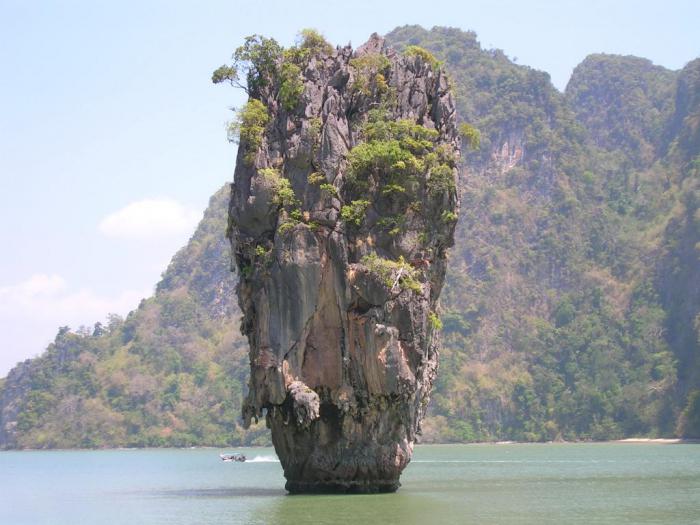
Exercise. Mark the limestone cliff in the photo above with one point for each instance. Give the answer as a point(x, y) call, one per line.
point(342, 208)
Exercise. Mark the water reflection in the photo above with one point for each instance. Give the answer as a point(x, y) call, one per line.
point(227, 492)
point(402, 507)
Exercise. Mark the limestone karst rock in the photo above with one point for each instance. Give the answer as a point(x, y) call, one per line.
point(342, 208)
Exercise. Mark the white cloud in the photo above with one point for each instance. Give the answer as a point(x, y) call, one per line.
point(32, 310)
point(44, 296)
point(37, 285)
point(150, 219)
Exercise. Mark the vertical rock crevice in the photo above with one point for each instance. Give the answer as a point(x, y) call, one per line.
point(342, 209)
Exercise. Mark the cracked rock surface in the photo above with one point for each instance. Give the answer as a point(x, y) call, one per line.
point(340, 309)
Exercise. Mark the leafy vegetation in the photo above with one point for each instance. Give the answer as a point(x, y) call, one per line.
point(291, 85)
point(248, 127)
point(394, 154)
point(639, 100)
point(310, 43)
point(267, 68)
point(329, 189)
point(256, 59)
point(370, 72)
point(316, 178)
point(435, 321)
point(470, 135)
point(424, 54)
point(393, 273)
point(314, 42)
point(354, 213)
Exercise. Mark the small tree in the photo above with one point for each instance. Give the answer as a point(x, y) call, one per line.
point(315, 42)
point(248, 127)
point(256, 59)
point(470, 135)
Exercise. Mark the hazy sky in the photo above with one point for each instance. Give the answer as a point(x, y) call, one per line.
point(112, 136)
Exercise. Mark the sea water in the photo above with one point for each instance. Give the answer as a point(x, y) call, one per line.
point(607, 483)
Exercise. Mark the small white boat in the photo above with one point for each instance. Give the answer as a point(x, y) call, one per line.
point(232, 457)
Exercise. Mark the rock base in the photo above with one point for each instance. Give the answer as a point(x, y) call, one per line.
point(342, 487)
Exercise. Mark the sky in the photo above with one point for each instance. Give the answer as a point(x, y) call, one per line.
point(112, 136)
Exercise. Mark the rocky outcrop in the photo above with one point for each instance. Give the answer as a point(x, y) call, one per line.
point(341, 213)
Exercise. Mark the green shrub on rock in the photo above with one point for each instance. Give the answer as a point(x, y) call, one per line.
point(393, 273)
point(354, 213)
point(427, 56)
point(291, 86)
point(248, 126)
point(315, 42)
point(470, 135)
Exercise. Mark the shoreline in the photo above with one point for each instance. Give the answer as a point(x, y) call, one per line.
point(661, 441)
point(624, 441)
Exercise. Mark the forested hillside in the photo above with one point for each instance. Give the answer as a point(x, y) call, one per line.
point(170, 374)
point(624, 104)
point(559, 314)
point(570, 311)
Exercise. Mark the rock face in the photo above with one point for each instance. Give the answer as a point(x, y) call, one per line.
point(341, 213)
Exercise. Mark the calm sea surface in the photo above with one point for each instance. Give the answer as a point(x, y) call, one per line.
point(471, 484)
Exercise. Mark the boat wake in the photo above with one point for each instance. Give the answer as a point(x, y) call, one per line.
point(263, 459)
